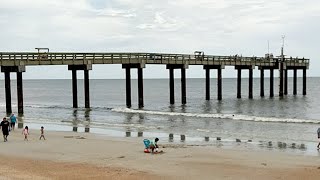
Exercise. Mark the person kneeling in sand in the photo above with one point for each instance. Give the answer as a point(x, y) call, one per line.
point(154, 146)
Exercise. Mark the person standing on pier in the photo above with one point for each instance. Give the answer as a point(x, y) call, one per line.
point(13, 121)
point(5, 129)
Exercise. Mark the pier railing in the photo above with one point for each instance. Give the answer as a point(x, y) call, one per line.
point(27, 58)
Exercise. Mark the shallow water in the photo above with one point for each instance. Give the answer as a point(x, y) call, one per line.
point(293, 119)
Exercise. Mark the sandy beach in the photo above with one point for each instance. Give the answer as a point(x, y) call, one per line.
point(71, 155)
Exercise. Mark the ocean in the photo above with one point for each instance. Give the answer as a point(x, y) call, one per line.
point(267, 122)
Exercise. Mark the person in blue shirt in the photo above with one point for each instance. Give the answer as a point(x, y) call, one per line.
point(13, 121)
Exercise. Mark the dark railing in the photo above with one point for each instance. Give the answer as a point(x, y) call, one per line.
point(150, 58)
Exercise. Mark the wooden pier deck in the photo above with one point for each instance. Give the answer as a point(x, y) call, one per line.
point(56, 58)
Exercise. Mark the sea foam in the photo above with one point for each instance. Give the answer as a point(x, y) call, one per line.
point(219, 116)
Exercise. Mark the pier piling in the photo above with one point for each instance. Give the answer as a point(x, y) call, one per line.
point(304, 83)
point(171, 84)
point(85, 69)
point(128, 87)
point(286, 82)
point(271, 83)
point(20, 93)
point(207, 83)
point(219, 68)
point(183, 137)
point(239, 84)
point(183, 68)
point(140, 88)
point(183, 86)
point(219, 79)
point(8, 92)
point(262, 82)
point(74, 88)
point(86, 89)
point(281, 80)
point(295, 81)
point(250, 83)
point(139, 68)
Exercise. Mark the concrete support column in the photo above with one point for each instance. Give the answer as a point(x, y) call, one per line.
point(304, 81)
point(207, 84)
point(139, 68)
point(140, 87)
point(128, 87)
point(20, 93)
point(183, 86)
point(271, 83)
point(86, 88)
point(262, 82)
point(85, 69)
point(250, 83)
point(285, 82)
point(74, 88)
point(171, 84)
point(294, 81)
point(239, 84)
point(281, 80)
point(219, 84)
point(8, 92)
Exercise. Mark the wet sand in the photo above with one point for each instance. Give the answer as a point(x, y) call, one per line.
point(71, 155)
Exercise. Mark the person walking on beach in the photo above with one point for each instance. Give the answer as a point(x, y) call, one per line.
point(5, 129)
point(25, 132)
point(42, 133)
point(318, 138)
point(13, 121)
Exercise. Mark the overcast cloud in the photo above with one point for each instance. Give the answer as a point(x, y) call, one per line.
point(218, 27)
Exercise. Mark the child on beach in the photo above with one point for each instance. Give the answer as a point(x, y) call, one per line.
point(42, 133)
point(25, 132)
point(153, 146)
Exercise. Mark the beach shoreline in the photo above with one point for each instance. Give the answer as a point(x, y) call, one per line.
point(105, 155)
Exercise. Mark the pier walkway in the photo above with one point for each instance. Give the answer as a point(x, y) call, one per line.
point(17, 61)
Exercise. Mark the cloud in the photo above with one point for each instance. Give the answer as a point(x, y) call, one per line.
point(162, 23)
point(220, 27)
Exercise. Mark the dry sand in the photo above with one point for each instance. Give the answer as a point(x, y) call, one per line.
point(70, 155)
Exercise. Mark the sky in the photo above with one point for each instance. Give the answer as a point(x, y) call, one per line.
point(217, 27)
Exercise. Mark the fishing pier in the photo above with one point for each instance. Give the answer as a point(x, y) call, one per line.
point(16, 62)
